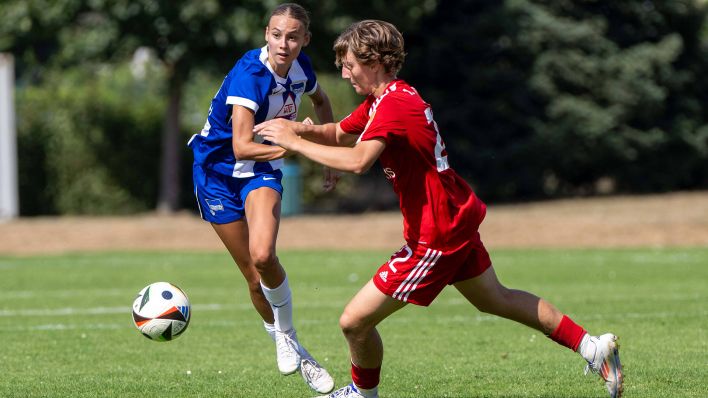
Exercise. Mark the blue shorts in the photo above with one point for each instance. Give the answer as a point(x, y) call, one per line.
point(221, 198)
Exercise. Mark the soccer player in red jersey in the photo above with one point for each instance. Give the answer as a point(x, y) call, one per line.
point(440, 211)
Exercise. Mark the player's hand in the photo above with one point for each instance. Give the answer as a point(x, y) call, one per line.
point(279, 123)
point(331, 178)
point(308, 122)
point(278, 131)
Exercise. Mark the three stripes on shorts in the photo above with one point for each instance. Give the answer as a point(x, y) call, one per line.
point(417, 274)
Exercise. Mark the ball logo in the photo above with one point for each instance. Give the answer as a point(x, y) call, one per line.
point(145, 299)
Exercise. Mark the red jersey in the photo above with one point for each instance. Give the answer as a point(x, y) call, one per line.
point(439, 208)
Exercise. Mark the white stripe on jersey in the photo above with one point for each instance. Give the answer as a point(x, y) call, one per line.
point(378, 100)
point(373, 107)
point(244, 168)
point(314, 88)
point(245, 102)
point(417, 274)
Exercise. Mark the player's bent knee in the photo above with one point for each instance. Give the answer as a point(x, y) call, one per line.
point(350, 325)
point(264, 260)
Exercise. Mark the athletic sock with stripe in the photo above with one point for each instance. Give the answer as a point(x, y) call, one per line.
point(280, 299)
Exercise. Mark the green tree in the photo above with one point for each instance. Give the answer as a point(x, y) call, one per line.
point(536, 98)
point(548, 98)
point(84, 148)
point(473, 72)
point(183, 37)
point(629, 100)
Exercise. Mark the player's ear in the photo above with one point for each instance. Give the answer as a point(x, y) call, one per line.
point(308, 35)
point(265, 36)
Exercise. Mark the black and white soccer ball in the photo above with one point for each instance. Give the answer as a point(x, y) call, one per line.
point(161, 311)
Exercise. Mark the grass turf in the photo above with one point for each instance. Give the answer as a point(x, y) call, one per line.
point(66, 330)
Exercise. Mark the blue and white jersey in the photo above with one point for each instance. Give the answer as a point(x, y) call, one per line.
point(251, 83)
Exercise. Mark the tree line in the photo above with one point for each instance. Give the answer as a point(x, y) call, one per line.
point(535, 99)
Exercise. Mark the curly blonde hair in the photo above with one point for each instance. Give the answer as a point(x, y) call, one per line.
point(372, 41)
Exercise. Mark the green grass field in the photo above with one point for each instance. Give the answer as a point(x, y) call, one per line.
point(66, 329)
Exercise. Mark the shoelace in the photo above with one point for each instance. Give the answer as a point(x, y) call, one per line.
point(287, 343)
point(313, 371)
point(342, 393)
point(591, 367)
point(596, 368)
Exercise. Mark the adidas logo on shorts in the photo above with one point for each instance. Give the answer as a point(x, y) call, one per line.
point(383, 275)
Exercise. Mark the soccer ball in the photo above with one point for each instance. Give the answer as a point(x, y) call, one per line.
point(161, 311)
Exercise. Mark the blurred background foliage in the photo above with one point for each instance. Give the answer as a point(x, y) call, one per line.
point(535, 99)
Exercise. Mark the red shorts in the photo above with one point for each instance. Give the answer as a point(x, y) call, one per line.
point(418, 276)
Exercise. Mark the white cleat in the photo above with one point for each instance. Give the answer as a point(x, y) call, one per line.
point(349, 391)
point(606, 363)
point(315, 375)
point(287, 351)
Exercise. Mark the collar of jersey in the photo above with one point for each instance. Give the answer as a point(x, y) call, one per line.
point(264, 59)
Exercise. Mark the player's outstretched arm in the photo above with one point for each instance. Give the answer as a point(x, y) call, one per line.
point(325, 134)
point(357, 159)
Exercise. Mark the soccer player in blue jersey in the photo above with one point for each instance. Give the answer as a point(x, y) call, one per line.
point(237, 176)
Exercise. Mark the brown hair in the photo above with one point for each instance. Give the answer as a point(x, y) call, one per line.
point(372, 41)
point(295, 11)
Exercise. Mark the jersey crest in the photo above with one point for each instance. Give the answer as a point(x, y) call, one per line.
point(289, 108)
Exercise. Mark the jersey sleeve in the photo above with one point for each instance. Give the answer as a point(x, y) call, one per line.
point(355, 122)
point(306, 65)
point(249, 86)
point(384, 124)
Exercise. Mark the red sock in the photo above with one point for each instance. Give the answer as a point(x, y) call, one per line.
point(365, 378)
point(568, 333)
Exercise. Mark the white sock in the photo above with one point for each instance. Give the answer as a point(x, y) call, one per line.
point(270, 328)
point(280, 300)
point(368, 393)
point(587, 348)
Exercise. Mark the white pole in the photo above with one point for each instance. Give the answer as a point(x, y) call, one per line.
point(9, 197)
